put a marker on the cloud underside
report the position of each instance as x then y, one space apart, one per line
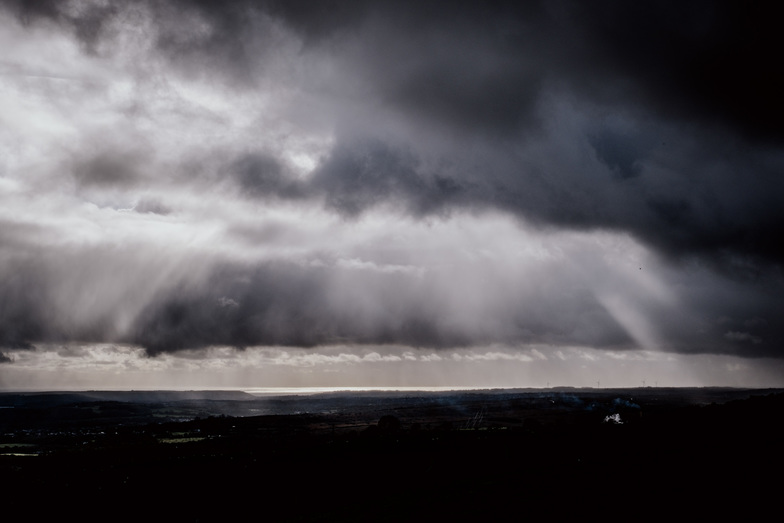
185 175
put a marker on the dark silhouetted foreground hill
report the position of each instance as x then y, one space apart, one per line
625 455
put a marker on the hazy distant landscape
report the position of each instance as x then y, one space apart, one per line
387 456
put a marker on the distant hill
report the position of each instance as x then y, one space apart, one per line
52 398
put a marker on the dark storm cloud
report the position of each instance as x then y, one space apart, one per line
657 119
234 309
714 61
299 305
692 169
82 295
483 64
721 208
61 293
692 173
305 306
283 304
23 306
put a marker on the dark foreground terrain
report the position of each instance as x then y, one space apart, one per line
561 454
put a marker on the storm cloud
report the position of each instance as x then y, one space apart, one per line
435 175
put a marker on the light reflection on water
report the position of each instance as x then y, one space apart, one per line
280 391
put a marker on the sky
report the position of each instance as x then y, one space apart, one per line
246 194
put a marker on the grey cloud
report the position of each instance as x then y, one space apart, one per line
319 21
742 337
262 233
263 176
197 37
755 322
202 38
108 169
620 150
356 178
87 19
14 234
152 206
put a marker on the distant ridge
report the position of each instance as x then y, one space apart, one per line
144 396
